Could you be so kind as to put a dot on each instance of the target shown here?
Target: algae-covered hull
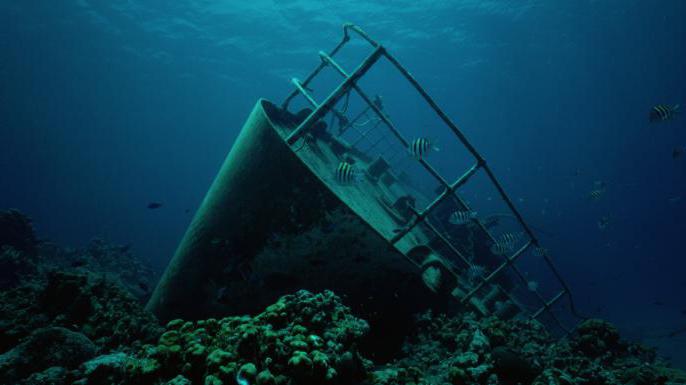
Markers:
(297, 205)
(270, 225)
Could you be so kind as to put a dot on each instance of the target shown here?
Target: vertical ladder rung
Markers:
(331, 100)
(548, 304)
(304, 92)
(349, 84)
(508, 262)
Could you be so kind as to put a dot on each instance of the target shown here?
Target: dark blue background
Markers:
(107, 105)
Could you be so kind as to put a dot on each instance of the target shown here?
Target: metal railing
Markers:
(348, 85)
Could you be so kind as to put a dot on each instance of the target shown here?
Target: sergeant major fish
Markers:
(474, 272)
(347, 174)
(596, 194)
(500, 248)
(511, 238)
(462, 217)
(420, 148)
(663, 112)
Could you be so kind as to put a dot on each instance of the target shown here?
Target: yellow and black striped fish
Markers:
(663, 112)
(346, 173)
(420, 148)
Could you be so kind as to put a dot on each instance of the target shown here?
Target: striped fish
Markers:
(347, 174)
(420, 148)
(501, 248)
(511, 238)
(462, 217)
(663, 112)
(474, 272)
(540, 251)
(596, 194)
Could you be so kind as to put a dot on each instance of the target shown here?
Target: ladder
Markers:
(449, 188)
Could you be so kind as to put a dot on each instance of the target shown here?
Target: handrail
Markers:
(350, 83)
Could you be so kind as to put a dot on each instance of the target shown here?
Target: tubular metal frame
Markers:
(450, 189)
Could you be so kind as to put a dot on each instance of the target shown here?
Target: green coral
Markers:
(457, 376)
(100, 309)
(303, 338)
(466, 349)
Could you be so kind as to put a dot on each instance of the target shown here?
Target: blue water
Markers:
(107, 106)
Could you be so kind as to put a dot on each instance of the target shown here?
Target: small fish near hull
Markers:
(264, 230)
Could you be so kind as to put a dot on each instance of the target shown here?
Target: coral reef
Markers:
(18, 245)
(46, 348)
(90, 304)
(52, 306)
(16, 231)
(22, 255)
(15, 266)
(117, 262)
(75, 316)
(466, 350)
(308, 338)
(303, 338)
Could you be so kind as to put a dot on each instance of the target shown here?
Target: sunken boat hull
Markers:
(271, 224)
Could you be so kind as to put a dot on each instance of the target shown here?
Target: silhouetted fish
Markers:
(658, 303)
(677, 152)
(154, 205)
